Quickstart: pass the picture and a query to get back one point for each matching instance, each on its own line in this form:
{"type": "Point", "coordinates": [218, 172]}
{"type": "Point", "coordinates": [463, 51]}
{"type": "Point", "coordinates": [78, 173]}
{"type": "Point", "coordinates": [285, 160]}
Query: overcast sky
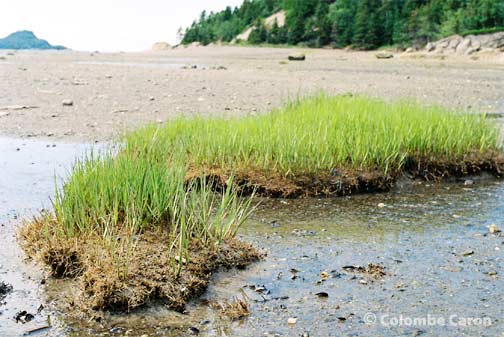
{"type": "Point", "coordinates": [105, 25]}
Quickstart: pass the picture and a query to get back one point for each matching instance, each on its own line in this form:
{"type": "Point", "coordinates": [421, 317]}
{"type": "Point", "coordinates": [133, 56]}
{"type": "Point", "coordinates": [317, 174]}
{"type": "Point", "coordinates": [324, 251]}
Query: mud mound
{"type": "Point", "coordinates": [341, 182]}
{"type": "Point", "coordinates": [117, 279]}
{"type": "Point", "coordinates": [274, 184]}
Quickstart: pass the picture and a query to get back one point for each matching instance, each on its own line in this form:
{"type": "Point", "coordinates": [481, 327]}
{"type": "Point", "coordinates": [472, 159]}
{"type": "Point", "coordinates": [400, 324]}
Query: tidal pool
{"type": "Point", "coordinates": [443, 267]}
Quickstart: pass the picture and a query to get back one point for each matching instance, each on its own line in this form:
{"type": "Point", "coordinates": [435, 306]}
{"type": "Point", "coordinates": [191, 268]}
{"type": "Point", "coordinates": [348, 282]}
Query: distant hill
{"type": "Point", "coordinates": [360, 24]}
{"type": "Point", "coordinates": [25, 39]}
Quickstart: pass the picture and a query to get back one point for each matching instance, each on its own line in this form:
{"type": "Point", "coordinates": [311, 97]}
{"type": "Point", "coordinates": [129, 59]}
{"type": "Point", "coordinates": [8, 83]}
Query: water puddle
{"type": "Point", "coordinates": [440, 262]}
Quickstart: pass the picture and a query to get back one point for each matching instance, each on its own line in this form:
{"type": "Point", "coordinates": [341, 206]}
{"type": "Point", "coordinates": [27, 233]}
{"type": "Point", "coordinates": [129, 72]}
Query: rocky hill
{"type": "Point", "coordinates": [25, 39]}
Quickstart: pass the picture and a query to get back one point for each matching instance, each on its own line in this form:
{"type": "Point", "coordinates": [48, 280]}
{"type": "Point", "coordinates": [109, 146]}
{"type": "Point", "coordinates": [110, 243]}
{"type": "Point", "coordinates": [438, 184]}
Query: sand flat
{"type": "Point", "coordinates": [115, 92]}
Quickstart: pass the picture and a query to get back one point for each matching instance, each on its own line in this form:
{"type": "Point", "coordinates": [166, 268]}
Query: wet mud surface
{"type": "Point", "coordinates": [333, 265]}
{"type": "Point", "coordinates": [27, 171]}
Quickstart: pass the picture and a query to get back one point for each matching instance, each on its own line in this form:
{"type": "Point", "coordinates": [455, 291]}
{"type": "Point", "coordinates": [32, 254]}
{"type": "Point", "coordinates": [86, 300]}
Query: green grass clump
{"type": "Point", "coordinates": [144, 185]}
{"type": "Point", "coordinates": [126, 194]}
{"type": "Point", "coordinates": [131, 219]}
{"type": "Point", "coordinates": [320, 133]}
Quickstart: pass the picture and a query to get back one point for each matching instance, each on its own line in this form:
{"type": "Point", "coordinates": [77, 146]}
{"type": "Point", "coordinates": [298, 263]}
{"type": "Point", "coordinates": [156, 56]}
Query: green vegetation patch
{"type": "Point", "coordinates": [155, 218]}
{"type": "Point", "coordinates": [319, 135]}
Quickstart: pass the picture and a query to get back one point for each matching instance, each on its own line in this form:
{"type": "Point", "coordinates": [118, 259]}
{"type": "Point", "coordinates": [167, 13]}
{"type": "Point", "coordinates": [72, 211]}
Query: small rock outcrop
{"type": "Point", "coordinates": [384, 55]}
{"type": "Point", "coordinates": [160, 46]}
{"type": "Point", "coordinates": [467, 45]}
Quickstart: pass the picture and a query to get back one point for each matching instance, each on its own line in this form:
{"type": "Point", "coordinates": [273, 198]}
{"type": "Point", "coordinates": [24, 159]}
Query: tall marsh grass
{"type": "Point", "coordinates": [144, 185]}
{"type": "Point", "coordinates": [119, 196]}
{"type": "Point", "coordinates": [320, 133]}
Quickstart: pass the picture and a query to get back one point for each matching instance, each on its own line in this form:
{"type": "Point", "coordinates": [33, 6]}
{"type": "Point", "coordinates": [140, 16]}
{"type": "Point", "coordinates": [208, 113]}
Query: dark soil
{"type": "Point", "coordinates": [345, 181]}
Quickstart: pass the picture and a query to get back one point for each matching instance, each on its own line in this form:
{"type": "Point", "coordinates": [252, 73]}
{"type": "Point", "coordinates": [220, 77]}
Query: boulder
{"type": "Point", "coordinates": [453, 43]}
{"type": "Point", "coordinates": [297, 57]}
{"type": "Point", "coordinates": [384, 55]}
{"type": "Point", "coordinates": [463, 46]}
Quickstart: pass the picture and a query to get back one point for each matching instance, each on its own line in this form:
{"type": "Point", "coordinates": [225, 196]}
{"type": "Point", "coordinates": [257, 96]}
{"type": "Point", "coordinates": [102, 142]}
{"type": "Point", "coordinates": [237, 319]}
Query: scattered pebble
{"type": "Point", "coordinates": [67, 102]}
{"type": "Point", "coordinates": [453, 269]}
{"type": "Point", "coordinates": [5, 288]}
{"type": "Point", "coordinates": [23, 317]}
{"type": "Point", "coordinates": [193, 330]}
{"type": "Point", "coordinates": [467, 253]}
{"type": "Point", "coordinates": [494, 229]}
{"type": "Point", "coordinates": [292, 321]}
{"type": "Point", "coordinates": [116, 329]}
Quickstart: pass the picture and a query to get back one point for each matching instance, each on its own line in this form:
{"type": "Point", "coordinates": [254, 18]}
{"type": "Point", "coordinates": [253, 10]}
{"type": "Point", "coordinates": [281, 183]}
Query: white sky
{"type": "Point", "coordinates": [105, 25]}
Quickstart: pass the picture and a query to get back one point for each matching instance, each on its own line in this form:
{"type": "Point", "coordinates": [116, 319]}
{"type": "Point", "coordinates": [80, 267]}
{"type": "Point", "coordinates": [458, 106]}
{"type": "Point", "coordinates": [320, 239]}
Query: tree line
{"type": "Point", "coordinates": [361, 24]}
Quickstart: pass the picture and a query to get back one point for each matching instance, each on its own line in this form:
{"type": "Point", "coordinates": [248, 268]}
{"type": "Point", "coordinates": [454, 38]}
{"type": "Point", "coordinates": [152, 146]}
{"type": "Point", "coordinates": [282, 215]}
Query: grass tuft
{"type": "Point", "coordinates": [321, 133]}
{"type": "Point", "coordinates": [133, 225]}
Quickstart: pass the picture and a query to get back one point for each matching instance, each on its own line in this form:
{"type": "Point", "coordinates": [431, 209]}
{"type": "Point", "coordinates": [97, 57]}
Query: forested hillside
{"type": "Point", "coordinates": [362, 24]}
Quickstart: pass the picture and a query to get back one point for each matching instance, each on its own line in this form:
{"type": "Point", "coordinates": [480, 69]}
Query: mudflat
{"type": "Point", "coordinates": [96, 96]}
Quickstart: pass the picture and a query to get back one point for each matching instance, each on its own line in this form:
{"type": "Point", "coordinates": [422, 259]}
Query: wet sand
{"type": "Point", "coordinates": [115, 92]}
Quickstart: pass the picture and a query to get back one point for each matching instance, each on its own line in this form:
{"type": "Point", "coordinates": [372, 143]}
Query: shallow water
{"type": "Point", "coordinates": [420, 236]}
{"type": "Point", "coordinates": [27, 171]}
